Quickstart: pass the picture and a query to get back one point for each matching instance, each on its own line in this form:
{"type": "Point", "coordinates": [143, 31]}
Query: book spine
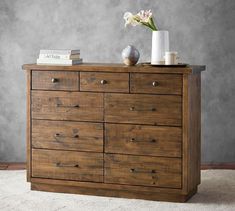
{"type": "Point", "coordinates": [58, 61]}
{"type": "Point", "coordinates": [57, 56]}
{"type": "Point", "coordinates": [59, 52]}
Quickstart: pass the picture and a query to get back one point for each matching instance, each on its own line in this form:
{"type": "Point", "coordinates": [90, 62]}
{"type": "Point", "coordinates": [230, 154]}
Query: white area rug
{"type": "Point", "coordinates": [217, 192]}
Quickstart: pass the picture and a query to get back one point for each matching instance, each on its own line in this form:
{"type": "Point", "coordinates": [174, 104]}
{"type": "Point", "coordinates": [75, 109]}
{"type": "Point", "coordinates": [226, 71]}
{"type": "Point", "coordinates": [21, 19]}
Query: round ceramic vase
{"type": "Point", "coordinates": [130, 55]}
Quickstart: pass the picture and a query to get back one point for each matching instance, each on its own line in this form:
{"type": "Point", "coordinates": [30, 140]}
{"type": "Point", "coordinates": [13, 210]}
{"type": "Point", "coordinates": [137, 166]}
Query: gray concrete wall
{"type": "Point", "coordinates": [202, 31]}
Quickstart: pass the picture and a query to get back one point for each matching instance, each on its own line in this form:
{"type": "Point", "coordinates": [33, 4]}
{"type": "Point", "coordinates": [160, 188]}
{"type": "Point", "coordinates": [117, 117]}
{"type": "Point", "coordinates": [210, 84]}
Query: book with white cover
{"type": "Point", "coordinates": [63, 52]}
{"type": "Point", "coordinates": [59, 56]}
{"type": "Point", "coordinates": [58, 61]}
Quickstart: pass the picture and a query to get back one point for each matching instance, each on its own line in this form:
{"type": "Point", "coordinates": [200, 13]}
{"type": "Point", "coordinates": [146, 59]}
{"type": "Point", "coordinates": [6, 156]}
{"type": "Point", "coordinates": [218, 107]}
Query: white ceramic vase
{"type": "Point", "coordinates": [160, 44]}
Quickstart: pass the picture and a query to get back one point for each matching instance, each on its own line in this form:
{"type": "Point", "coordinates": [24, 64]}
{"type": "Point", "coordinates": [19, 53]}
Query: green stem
{"type": "Point", "coordinates": [152, 24]}
{"type": "Point", "coordinates": [148, 25]}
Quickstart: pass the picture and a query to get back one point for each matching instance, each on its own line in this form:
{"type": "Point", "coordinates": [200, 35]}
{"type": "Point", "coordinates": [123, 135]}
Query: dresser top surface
{"type": "Point", "coordinates": [114, 67]}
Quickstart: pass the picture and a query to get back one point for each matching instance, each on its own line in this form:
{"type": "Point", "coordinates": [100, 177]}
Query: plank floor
{"type": "Point", "coordinates": [12, 166]}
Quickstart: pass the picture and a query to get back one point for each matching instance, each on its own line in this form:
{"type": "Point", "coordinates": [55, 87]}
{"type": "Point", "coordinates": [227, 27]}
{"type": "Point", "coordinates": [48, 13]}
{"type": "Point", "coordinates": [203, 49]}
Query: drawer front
{"type": "Point", "coordinates": [68, 165]}
{"type": "Point", "coordinates": [104, 82]}
{"type": "Point", "coordinates": [75, 106]}
{"type": "Point", "coordinates": [143, 140]}
{"type": "Point", "coordinates": [141, 170]}
{"type": "Point", "coordinates": [143, 109]}
{"type": "Point", "coordinates": [156, 83]}
{"type": "Point", "coordinates": [55, 80]}
{"type": "Point", "coordinates": [67, 135]}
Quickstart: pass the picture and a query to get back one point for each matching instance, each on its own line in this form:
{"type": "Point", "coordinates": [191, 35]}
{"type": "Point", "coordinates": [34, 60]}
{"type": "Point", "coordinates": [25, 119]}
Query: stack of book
{"type": "Point", "coordinates": [59, 57]}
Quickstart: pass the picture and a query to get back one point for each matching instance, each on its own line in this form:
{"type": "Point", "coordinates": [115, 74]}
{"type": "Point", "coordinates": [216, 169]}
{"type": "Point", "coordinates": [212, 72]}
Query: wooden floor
{"type": "Point", "coordinates": [12, 166]}
{"type": "Point", "coordinates": [21, 166]}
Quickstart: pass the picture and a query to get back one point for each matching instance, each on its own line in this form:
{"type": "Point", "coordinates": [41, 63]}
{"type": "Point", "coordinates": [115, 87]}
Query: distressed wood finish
{"type": "Point", "coordinates": [192, 131]}
{"type": "Point", "coordinates": [143, 140]}
{"type": "Point", "coordinates": [156, 83]}
{"type": "Point", "coordinates": [143, 170]}
{"type": "Point", "coordinates": [28, 126]}
{"type": "Point", "coordinates": [75, 106]}
{"type": "Point", "coordinates": [67, 135]}
{"type": "Point", "coordinates": [143, 109]}
{"type": "Point", "coordinates": [67, 165]}
{"type": "Point", "coordinates": [118, 68]}
{"type": "Point", "coordinates": [55, 80]}
{"type": "Point", "coordinates": [104, 82]}
{"type": "Point", "coordinates": [114, 130]}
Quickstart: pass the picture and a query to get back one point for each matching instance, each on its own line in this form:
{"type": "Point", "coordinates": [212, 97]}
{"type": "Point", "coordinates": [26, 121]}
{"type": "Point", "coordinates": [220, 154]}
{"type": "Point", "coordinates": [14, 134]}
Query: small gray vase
{"type": "Point", "coordinates": [130, 55]}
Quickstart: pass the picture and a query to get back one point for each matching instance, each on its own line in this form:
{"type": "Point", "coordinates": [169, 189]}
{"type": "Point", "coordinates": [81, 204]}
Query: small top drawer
{"type": "Point", "coordinates": [156, 83]}
{"type": "Point", "coordinates": [104, 82]}
{"type": "Point", "coordinates": [55, 80]}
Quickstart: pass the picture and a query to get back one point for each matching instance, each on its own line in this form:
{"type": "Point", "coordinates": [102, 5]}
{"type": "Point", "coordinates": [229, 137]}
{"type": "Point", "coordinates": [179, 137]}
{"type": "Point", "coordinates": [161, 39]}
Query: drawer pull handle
{"type": "Point", "coordinates": [155, 83]}
{"type": "Point", "coordinates": [54, 80]}
{"type": "Point", "coordinates": [67, 165]}
{"type": "Point", "coordinates": [133, 170]}
{"type": "Point", "coordinates": [103, 82]}
{"type": "Point", "coordinates": [58, 135]}
{"type": "Point", "coordinates": [151, 141]}
{"type": "Point", "coordinates": [64, 106]}
{"type": "Point", "coordinates": [134, 109]}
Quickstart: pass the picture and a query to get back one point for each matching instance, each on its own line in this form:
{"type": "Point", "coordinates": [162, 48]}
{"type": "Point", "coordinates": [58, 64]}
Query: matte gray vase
{"type": "Point", "coordinates": [130, 55]}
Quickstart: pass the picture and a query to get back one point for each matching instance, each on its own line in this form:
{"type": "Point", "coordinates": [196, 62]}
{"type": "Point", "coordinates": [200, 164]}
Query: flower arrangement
{"type": "Point", "coordinates": [144, 17]}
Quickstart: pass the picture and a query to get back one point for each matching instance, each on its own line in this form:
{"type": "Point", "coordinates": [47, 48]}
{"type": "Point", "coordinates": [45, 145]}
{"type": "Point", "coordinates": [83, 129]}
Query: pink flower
{"type": "Point", "coordinates": [145, 15]}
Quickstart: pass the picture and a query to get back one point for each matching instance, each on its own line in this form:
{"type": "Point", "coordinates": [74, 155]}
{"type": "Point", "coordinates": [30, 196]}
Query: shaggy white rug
{"type": "Point", "coordinates": [217, 192]}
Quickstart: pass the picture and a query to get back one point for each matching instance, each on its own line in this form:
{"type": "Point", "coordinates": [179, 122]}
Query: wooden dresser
{"type": "Point", "coordinates": [114, 130]}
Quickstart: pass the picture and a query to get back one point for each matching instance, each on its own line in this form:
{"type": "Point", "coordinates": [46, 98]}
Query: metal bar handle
{"type": "Point", "coordinates": [67, 165]}
{"type": "Point", "coordinates": [132, 108]}
{"type": "Point", "coordinates": [133, 170]}
{"type": "Point", "coordinates": [59, 135]}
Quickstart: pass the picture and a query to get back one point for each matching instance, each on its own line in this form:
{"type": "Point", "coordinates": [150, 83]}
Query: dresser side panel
{"type": "Point", "coordinates": [28, 126]}
{"type": "Point", "coordinates": [191, 131]}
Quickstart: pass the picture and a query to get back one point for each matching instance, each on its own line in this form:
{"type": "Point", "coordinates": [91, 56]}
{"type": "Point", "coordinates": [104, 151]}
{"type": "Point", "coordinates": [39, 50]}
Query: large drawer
{"type": "Point", "coordinates": [60, 105]}
{"type": "Point", "coordinates": [55, 80]}
{"type": "Point", "coordinates": [143, 140]}
{"type": "Point", "coordinates": [67, 135]}
{"type": "Point", "coordinates": [143, 109]}
{"type": "Point", "coordinates": [68, 165]}
{"type": "Point", "coordinates": [104, 82]}
{"type": "Point", "coordinates": [156, 83]}
{"type": "Point", "coordinates": [143, 170]}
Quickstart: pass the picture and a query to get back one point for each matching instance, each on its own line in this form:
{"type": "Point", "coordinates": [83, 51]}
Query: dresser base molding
{"type": "Point", "coordinates": [131, 194]}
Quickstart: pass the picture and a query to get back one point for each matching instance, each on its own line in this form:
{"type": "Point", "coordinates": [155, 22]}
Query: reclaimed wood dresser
{"type": "Point", "coordinates": [114, 130]}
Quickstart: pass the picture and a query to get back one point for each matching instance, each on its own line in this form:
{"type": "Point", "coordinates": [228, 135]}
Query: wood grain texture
{"type": "Point", "coordinates": [28, 125]}
{"type": "Point", "coordinates": [55, 80]}
{"type": "Point", "coordinates": [143, 109]}
{"type": "Point", "coordinates": [67, 165]}
{"type": "Point", "coordinates": [143, 170]}
{"type": "Point", "coordinates": [106, 186]}
{"type": "Point", "coordinates": [151, 136]}
{"type": "Point", "coordinates": [143, 140]}
{"type": "Point", "coordinates": [67, 135]}
{"type": "Point", "coordinates": [156, 83]}
{"type": "Point", "coordinates": [104, 82]}
{"type": "Point", "coordinates": [60, 105]}
{"type": "Point", "coordinates": [191, 131]}
{"type": "Point", "coordinates": [113, 193]}
{"type": "Point", "coordinates": [111, 67]}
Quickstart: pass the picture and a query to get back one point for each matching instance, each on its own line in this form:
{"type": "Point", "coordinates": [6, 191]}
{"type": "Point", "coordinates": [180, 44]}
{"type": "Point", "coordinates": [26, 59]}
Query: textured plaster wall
{"type": "Point", "coordinates": [202, 31]}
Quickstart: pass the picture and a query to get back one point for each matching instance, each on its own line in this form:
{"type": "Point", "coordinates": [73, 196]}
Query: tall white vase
{"type": "Point", "coordinates": [160, 44]}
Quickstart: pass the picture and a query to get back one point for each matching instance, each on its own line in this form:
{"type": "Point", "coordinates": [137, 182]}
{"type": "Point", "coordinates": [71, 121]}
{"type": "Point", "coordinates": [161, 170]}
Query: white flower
{"type": "Point", "coordinates": [130, 19]}
{"type": "Point", "coordinates": [145, 15]}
